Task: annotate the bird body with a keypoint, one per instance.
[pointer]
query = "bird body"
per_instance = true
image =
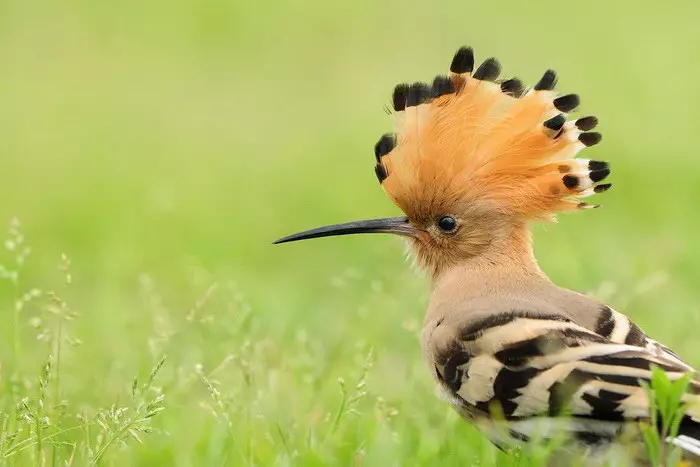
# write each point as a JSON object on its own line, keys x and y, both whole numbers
{"x": 473, "y": 161}
{"x": 513, "y": 360}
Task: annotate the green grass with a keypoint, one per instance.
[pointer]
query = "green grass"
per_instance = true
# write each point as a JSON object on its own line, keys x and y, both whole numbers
{"x": 153, "y": 150}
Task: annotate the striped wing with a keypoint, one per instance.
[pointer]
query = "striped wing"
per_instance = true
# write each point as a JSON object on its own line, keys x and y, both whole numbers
{"x": 620, "y": 329}
{"x": 521, "y": 366}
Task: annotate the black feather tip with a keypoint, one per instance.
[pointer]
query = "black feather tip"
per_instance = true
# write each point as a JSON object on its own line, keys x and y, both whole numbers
{"x": 598, "y": 175}
{"x": 586, "y": 123}
{"x": 570, "y": 181}
{"x": 442, "y": 85}
{"x": 597, "y": 165}
{"x": 590, "y": 139}
{"x": 384, "y": 146}
{"x": 418, "y": 93}
{"x": 489, "y": 70}
{"x": 399, "y": 97}
{"x": 463, "y": 61}
{"x": 567, "y": 103}
{"x": 513, "y": 87}
{"x": 547, "y": 82}
{"x": 555, "y": 123}
{"x": 380, "y": 171}
{"x": 602, "y": 187}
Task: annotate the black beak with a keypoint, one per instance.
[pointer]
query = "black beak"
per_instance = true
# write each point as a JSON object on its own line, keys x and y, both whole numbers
{"x": 392, "y": 225}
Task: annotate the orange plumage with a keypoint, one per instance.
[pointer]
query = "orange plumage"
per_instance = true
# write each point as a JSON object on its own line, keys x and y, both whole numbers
{"x": 469, "y": 138}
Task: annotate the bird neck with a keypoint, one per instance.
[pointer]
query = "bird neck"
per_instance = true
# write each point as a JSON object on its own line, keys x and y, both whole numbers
{"x": 508, "y": 255}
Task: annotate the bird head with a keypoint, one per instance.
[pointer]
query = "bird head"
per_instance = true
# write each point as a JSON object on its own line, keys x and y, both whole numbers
{"x": 473, "y": 159}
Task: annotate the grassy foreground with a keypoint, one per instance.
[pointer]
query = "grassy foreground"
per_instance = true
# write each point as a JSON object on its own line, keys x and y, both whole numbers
{"x": 152, "y": 151}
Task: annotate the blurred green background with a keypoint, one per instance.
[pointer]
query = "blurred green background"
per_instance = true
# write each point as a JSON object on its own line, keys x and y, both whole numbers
{"x": 162, "y": 146}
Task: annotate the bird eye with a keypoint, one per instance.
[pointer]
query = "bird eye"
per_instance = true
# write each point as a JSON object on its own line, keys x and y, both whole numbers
{"x": 447, "y": 224}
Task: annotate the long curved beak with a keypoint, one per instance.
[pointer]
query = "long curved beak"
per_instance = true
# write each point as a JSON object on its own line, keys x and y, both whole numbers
{"x": 392, "y": 225}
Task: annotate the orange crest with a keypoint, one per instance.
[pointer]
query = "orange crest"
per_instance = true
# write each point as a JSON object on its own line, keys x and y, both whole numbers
{"x": 470, "y": 137}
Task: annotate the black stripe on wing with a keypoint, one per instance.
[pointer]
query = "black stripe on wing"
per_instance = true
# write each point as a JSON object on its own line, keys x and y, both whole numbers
{"x": 606, "y": 322}
{"x": 476, "y": 329}
{"x": 559, "y": 369}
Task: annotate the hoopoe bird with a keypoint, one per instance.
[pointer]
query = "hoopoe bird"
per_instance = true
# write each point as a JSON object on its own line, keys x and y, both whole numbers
{"x": 472, "y": 162}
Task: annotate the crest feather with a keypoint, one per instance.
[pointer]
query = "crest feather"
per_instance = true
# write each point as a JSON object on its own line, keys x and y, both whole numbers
{"x": 469, "y": 137}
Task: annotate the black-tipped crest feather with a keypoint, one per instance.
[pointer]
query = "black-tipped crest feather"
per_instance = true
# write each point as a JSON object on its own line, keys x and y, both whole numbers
{"x": 399, "y": 97}
{"x": 489, "y": 70}
{"x": 418, "y": 93}
{"x": 513, "y": 87}
{"x": 384, "y": 146}
{"x": 547, "y": 82}
{"x": 442, "y": 85}
{"x": 602, "y": 187}
{"x": 586, "y": 123}
{"x": 566, "y": 103}
{"x": 590, "y": 139}
{"x": 463, "y": 61}
{"x": 380, "y": 171}
{"x": 555, "y": 123}
{"x": 598, "y": 175}
{"x": 570, "y": 181}
{"x": 597, "y": 165}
